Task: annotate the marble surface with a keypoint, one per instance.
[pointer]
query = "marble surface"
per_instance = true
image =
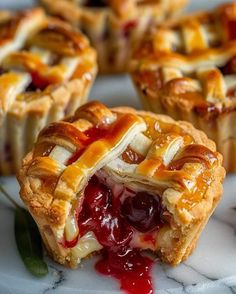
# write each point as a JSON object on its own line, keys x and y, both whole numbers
{"x": 211, "y": 269}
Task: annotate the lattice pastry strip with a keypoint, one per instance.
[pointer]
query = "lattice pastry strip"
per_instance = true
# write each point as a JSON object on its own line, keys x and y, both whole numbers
{"x": 132, "y": 153}
{"x": 214, "y": 86}
{"x": 196, "y": 32}
{"x": 161, "y": 153}
{"x": 194, "y": 36}
{"x": 184, "y": 49}
{"x": 207, "y": 77}
{"x": 81, "y": 169}
{"x": 33, "y": 63}
{"x": 15, "y": 30}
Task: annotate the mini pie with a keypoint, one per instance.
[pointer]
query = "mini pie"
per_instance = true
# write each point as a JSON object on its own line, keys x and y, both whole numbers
{"x": 114, "y": 26}
{"x": 46, "y": 70}
{"x": 187, "y": 69}
{"x": 106, "y": 178}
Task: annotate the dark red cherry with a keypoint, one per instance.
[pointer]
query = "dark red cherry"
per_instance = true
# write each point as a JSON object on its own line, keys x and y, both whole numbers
{"x": 98, "y": 196}
{"x": 143, "y": 211}
{"x": 111, "y": 231}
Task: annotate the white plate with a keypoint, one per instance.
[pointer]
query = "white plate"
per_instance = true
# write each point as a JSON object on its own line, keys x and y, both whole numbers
{"x": 210, "y": 269}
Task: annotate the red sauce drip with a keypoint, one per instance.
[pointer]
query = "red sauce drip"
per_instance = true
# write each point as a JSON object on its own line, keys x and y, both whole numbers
{"x": 93, "y": 135}
{"x": 102, "y": 213}
{"x": 75, "y": 156}
{"x": 70, "y": 244}
{"x": 96, "y": 133}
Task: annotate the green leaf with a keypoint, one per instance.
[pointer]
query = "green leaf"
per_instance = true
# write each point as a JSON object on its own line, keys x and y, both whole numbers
{"x": 28, "y": 239}
{"x": 29, "y": 243}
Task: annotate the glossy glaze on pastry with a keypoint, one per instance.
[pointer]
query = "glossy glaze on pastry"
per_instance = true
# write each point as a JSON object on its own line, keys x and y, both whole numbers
{"x": 46, "y": 70}
{"x": 113, "y": 26}
{"x": 186, "y": 69}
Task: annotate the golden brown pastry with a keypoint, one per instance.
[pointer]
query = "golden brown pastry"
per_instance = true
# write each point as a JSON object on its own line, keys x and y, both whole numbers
{"x": 46, "y": 70}
{"x": 187, "y": 69}
{"x": 120, "y": 178}
{"x": 114, "y": 26}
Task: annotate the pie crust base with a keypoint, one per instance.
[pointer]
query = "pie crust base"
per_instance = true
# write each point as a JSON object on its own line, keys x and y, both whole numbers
{"x": 175, "y": 240}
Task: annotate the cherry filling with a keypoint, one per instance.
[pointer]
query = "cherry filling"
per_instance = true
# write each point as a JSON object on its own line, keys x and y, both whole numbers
{"x": 142, "y": 212}
{"x": 100, "y": 214}
{"x": 114, "y": 222}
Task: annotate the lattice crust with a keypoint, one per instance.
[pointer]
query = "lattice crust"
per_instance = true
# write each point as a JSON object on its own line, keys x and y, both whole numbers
{"x": 138, "y": 149}
{"x": 193, "y": 55}
{"x": 114, "y": 27}
{"x": 37, "y": 54}
{"x": 125, "y": 8}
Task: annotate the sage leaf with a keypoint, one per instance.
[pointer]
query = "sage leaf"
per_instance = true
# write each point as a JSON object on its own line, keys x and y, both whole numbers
{"x": 29, "y": 243}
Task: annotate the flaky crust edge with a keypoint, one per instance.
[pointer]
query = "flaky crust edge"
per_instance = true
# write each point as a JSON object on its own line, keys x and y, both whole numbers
{"x": 219, "y": 126}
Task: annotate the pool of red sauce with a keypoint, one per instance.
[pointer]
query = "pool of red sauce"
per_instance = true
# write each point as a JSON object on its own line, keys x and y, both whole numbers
{"x": 130, "y": 268}
{"x": 114, "y": 223}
